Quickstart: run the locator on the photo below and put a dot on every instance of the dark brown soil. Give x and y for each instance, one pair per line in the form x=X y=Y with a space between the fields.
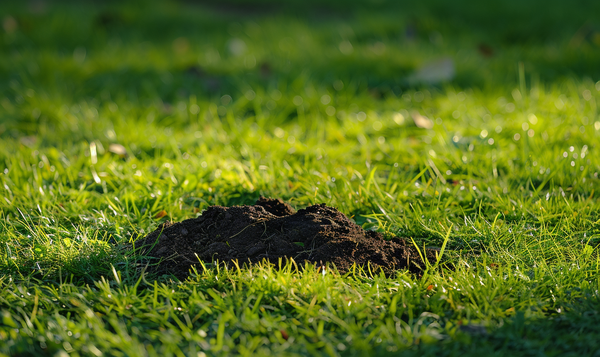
x=272 y=229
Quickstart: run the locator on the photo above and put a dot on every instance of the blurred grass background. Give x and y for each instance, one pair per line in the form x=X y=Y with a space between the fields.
x=159 y=49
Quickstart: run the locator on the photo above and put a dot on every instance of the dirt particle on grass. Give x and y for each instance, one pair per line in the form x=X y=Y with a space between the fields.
x=271 y=229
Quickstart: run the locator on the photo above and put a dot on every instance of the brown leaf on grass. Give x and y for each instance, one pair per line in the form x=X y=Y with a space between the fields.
x=117 y=149
x=160 y=214
x=284 y=334
x=421 y=121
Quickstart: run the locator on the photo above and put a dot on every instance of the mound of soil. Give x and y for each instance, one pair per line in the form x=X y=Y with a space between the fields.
x=271 y=229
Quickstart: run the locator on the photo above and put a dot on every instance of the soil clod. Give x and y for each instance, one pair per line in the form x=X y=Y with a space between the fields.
x=271 y=229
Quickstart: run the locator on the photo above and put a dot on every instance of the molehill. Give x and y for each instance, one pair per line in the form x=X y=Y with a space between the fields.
x=271 y=229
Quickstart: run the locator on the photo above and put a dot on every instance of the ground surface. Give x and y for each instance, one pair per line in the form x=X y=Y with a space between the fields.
x=470 y=128
x=271 y=230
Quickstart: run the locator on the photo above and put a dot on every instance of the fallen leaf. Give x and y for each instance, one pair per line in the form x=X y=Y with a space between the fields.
x=117 y=149
x=160 y=214
x=284 y=334
x=421 y=121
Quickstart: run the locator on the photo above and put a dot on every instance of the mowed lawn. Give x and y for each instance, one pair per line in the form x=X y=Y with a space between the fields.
x=464 y=125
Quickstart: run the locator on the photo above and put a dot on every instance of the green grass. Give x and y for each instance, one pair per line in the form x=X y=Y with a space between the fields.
x=111 y=113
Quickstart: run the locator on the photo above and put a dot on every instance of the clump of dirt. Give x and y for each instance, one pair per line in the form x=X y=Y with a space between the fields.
x=271 y=229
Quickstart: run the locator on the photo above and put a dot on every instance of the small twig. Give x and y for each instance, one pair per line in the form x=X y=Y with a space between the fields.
x=251 y=224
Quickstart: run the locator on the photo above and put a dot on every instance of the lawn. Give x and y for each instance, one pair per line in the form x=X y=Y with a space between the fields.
x=464 y=125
